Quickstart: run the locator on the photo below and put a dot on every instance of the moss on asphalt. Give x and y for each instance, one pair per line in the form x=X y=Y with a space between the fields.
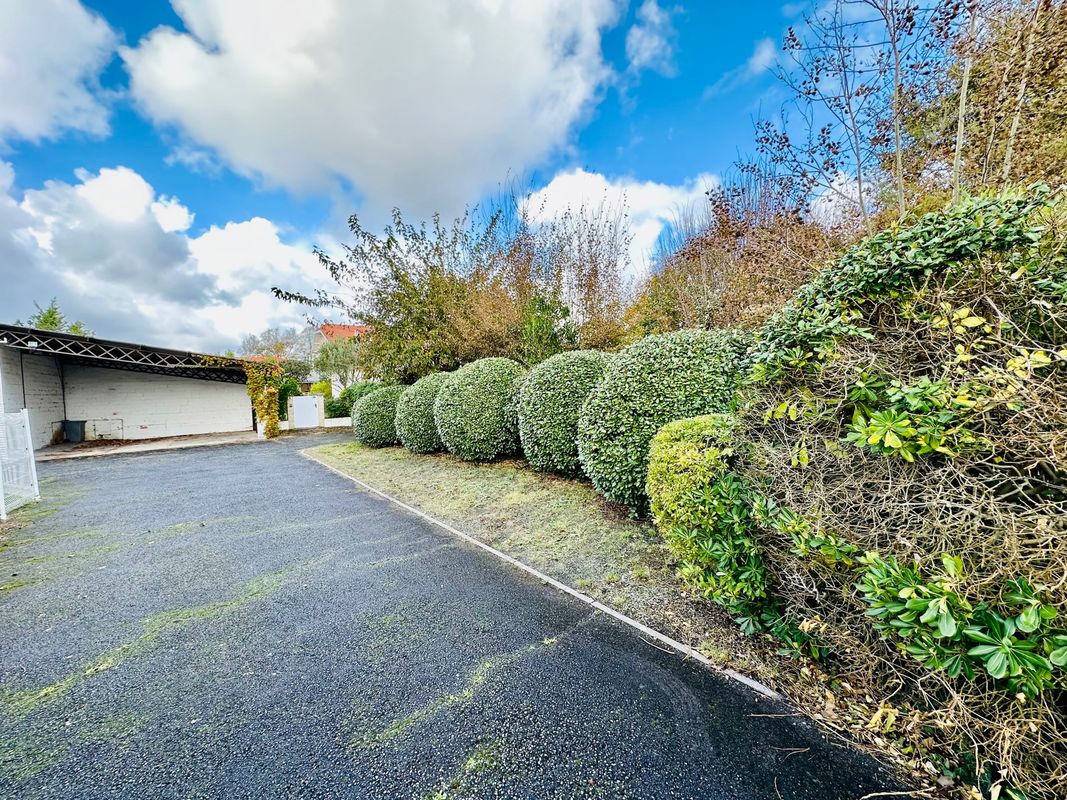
x=26 y=755
x=55 y=495
x=19 y=541
x=476 y=678
x=484 y=758
x=22 y=702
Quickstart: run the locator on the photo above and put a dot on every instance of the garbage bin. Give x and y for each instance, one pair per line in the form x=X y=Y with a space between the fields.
x=74 y=430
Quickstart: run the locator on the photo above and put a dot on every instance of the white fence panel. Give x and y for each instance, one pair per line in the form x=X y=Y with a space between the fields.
x=18 y=472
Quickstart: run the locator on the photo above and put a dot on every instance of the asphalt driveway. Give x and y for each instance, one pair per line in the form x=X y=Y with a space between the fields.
x=241 y=622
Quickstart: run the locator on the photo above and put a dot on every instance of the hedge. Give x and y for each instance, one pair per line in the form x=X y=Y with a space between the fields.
x=415 y=426
x=650 y=383
x=549 y=402
x=472 y=410
x=288 y=388
x=374 y=415
x=906 y=423
x=341 y=405
x=705 y=512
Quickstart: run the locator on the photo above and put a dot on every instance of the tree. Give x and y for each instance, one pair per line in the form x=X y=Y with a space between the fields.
x=736 y=259
x=53 y=319
x=340 y=359
x=995 y=107
x=501 y=280
x=855 y=69
x=278 y=343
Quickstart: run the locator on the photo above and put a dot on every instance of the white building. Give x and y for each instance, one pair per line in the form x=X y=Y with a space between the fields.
x=120 y=390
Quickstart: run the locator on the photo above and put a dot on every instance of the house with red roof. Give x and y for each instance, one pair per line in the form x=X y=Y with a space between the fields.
x=332 y=331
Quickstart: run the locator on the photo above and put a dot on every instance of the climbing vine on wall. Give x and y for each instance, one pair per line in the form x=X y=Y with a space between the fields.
x=263 y=379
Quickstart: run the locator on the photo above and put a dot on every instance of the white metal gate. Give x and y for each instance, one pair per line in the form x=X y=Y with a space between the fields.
x=305 y=412
x=18 y=472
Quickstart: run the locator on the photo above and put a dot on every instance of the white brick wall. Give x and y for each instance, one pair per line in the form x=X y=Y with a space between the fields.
x=10 y=382
x=137 y=405
x=42 y=391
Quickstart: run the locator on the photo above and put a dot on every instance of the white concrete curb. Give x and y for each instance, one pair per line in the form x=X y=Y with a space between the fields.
x=673 y=644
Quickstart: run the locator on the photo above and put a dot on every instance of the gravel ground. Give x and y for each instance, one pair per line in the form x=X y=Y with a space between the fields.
x=240 y=622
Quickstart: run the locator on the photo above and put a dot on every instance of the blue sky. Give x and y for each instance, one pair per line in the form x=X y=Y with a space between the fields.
x=246 y=131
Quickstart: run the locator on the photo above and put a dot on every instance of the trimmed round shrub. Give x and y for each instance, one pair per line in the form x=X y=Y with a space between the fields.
x=472 y=410
x=374 y=415
x=415 y=426
x=652 y=382
x=549 y=402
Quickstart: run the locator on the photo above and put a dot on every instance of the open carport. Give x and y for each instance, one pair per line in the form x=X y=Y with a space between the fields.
x=120 y=390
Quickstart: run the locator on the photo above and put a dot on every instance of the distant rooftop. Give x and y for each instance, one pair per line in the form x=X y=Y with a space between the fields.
x=332 y=331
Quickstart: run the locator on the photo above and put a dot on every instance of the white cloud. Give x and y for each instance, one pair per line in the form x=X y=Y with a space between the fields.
x=117 y=256
x=650 y=206
x=650 y=43
x=764 y=55
x=119 y=194
x=838 y=204
x=194 y=159
x=171 y=215
x=51 y=52
x=417 y=104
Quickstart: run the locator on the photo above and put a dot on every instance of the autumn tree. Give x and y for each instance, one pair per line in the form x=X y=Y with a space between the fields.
x=999 y=108
x=500 y=280
x=736 y=258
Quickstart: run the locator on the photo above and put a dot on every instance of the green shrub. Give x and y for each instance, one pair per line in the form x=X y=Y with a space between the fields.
x=655 y=381
x=286 y=389
x=1015 y=642
x=374 y=415
x=905 y=420
x=333 y=408
x=322 y=388
x=341 y=406
x=415 y=424
x=472 y=410
x=704 y=511
x=549 y=402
